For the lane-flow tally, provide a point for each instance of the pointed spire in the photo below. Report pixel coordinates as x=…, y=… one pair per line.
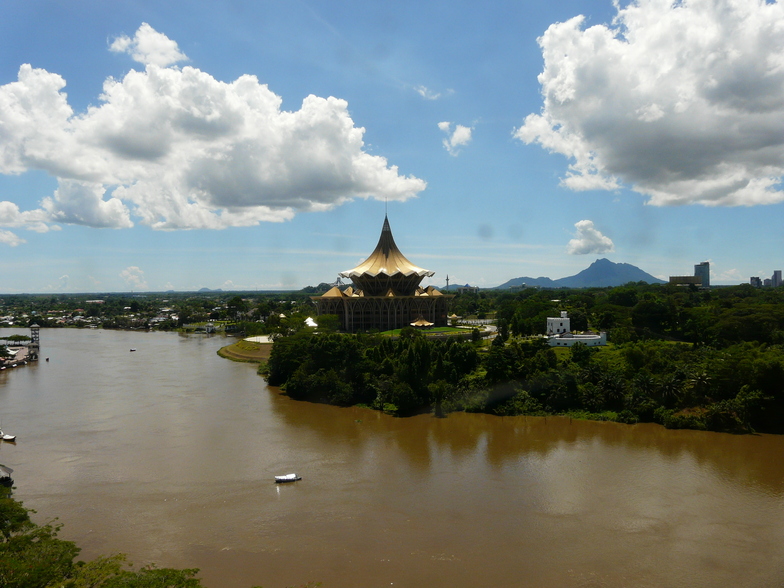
x=386, y=260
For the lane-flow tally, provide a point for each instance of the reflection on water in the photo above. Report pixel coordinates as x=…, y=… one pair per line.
x=168, y=454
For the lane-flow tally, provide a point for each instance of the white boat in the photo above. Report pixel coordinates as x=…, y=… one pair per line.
x=287, y=478
x=5, y=437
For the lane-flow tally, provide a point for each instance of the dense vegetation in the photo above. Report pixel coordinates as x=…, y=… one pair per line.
x=681, y=357
x=395, y=376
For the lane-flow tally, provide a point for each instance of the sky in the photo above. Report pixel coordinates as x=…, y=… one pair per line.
x=152, y=146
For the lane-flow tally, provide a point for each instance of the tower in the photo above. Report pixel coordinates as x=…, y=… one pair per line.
x=35, y=342
x=702, y=270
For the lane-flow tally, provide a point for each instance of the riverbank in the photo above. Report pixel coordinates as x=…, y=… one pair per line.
x=247, y=351
x=20, y=355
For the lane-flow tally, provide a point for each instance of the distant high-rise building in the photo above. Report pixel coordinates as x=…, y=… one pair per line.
x=702, y=270
x=767, y=282
x=755, y=281
x=775, y=281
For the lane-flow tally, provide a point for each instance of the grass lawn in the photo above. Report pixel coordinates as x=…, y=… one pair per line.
x=246, y=351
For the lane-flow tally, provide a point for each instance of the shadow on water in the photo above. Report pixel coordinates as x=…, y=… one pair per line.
x=745, y=459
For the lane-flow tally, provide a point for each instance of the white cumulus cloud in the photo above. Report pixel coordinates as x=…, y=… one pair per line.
x=457, y=138
x=10, y=239
x=588, y=239
x=134, y=278
x=82, y=203
x=681, y=100
x=148, y=46
x=177, y=149
x=34, y=220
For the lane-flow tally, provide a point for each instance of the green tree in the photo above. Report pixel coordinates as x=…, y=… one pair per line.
x=235, y=307
x=580, y=354
x=31, y=556
x=328, y=323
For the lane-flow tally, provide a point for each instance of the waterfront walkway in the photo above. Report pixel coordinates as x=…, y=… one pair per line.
x=20, y=356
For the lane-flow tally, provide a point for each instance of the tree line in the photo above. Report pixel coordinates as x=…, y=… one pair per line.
x=682, y=357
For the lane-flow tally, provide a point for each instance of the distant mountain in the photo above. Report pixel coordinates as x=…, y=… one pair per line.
x=601, y=273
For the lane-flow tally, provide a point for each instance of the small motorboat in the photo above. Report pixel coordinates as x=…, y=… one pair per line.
x=6, y=437
x=287, y=478
x=133, y=348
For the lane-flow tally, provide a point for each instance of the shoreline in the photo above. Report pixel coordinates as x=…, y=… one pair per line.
x=246, y=351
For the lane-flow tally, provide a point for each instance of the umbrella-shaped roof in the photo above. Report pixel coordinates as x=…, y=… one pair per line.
x=386, y=260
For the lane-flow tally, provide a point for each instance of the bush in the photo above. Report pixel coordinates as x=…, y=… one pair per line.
x=520, y=404
x=685, y=420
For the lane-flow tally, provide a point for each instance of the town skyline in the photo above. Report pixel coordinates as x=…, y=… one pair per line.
x=148, y=147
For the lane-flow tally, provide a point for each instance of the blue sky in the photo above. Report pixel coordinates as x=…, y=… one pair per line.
x=236, y=145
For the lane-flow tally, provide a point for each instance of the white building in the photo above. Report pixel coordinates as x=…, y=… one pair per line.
x=559, y=333
x=557, y=325
x=569, y=339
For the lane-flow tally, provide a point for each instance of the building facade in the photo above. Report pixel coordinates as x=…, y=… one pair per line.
x=686, y=280
x=558, y=325
x=559, y=333
x=701, y=277
x=703, y=271
x=385, y=293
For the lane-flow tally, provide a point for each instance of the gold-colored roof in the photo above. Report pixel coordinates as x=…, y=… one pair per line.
x=386, y=259
x=333, y=292
x=420, y=322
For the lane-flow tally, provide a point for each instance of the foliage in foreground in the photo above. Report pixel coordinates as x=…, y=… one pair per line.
x=33, y=556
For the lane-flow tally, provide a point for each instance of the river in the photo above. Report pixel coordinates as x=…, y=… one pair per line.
x=168, y=454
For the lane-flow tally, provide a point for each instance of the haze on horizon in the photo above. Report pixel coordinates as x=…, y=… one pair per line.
x=180, y=146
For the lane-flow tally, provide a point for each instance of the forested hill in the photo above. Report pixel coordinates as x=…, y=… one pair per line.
x=601, y=273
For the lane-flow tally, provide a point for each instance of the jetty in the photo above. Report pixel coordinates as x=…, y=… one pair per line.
x=18, y=353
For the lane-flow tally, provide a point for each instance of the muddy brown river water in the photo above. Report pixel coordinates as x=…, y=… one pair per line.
x=168, y=454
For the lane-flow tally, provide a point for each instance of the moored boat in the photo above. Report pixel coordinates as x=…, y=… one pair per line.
x=287, y=478
x=6, y=437
x=5, y=476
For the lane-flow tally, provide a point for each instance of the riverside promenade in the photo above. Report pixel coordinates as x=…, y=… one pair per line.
x=252, y=349
x=19, y=357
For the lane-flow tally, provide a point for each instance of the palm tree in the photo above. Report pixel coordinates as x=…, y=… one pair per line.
x=613, y=387
x=670, y=388
x=699, y=385
x=644, y=384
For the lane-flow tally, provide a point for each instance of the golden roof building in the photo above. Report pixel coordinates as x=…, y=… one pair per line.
x=385, y=293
